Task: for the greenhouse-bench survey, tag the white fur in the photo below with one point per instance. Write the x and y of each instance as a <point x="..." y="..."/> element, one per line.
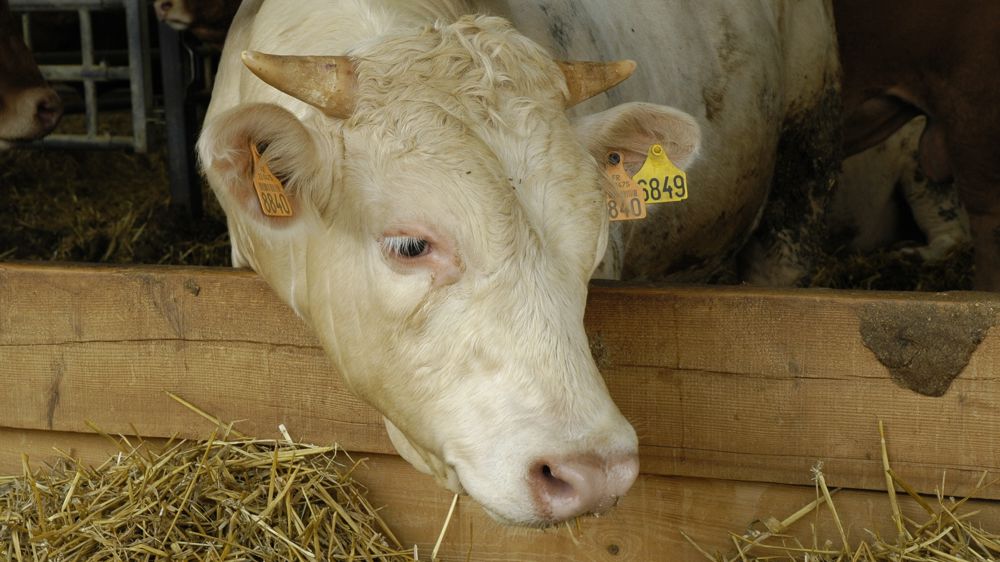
<point x="739" y="67"/>
<point x="459" y="131"/>
<point x="867" y="202"/>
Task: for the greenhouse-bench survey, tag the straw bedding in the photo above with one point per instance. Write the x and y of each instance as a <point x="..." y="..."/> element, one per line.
<point x="947" y="534"/>
<point x="227" y="498"/>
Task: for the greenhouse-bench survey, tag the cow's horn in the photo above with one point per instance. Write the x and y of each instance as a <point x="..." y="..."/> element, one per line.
<point x="586" y="79"/>
<point x="326" y="82"/>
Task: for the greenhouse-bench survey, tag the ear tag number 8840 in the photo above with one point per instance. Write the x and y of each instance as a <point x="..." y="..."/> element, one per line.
<point x="624" y="200"/>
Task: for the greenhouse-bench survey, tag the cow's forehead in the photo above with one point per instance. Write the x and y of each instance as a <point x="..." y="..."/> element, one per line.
<point x="470" y="118"/>
<point x="443" y="175"/>
<point x="470" y="69"/>
<point x="496" y="191"/>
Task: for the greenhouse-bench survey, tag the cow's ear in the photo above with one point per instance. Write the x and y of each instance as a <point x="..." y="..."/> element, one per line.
<point x="632" y="128"/>
<point x="267" y="142"/>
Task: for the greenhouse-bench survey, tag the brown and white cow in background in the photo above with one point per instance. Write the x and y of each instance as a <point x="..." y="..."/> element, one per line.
<point x="29" y="108"/>
<point x="878" y="191"/>
<point x="938" y="59"/>
<point x="447" y="214"/>
<point x="208" y="20"/>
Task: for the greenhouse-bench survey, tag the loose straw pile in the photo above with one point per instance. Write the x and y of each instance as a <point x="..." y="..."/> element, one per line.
<point x="228" y="498"/>
<point x="946" y="535"/>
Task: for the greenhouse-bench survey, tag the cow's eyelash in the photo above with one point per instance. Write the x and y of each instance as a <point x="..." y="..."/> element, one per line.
<point x="406" y="247"/>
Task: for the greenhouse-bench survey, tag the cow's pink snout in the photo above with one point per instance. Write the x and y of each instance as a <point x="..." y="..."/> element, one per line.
<point x="48" y="108"/>
<point x="566" y="487"/>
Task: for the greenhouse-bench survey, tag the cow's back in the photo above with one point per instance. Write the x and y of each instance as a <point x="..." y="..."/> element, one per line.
<point x="890" y="44"/>
<point x="745" y="70"/>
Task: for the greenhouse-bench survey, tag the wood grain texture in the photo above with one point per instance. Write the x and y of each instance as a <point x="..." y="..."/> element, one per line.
<point x="730" y="383"/>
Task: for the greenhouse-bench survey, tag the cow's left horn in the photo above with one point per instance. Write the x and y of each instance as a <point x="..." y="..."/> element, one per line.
<point x="586" y="79"/>
<point x="326" y="82"/>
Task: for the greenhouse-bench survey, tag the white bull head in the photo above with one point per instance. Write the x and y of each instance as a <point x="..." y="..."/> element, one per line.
<point x="447" y="218"/>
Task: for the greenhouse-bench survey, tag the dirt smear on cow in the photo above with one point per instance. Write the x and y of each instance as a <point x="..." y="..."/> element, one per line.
<point x="808" y="162"/>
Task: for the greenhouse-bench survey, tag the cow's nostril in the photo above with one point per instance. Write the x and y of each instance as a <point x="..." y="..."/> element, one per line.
<point x="49" y="111"/>
<point x="580" y="484"/>
<point x="163" y="7"/>
<point x="555" y="487"/>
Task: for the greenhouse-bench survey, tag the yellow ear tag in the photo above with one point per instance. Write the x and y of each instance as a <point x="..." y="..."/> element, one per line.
<point x="660" y="180"/>
<point x="624" y="201"/>
<point x="270" y="192"/>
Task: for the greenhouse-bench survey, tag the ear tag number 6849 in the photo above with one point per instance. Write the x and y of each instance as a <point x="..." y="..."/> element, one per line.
<point x="660" y="180"/>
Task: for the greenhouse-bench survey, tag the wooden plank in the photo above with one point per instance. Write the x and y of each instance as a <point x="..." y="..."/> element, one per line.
<point x="645" y="526"/>
<point x="722" y="382"/>
<point x="116" y="384"/>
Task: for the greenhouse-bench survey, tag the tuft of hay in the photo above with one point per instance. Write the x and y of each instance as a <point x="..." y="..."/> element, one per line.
<point x="102" y="206"/>
<point x="227" y="498"/>
<point x="946" y="535"/>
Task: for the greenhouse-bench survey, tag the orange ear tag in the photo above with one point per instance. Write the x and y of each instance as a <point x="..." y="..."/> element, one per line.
<point x="270" y="192"/>
<point x="625" y="201"/>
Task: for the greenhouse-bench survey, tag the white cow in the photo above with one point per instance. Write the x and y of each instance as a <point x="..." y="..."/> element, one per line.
<point x="447" y="215"/>
<point x="879" y="187"/>
<point x="762" y="79"/>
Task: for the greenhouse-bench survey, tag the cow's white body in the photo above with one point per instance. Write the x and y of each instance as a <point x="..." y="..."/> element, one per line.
<point x="879" y="187"/>
<point x="476" y="354"/>
<point x="745" y="70"/>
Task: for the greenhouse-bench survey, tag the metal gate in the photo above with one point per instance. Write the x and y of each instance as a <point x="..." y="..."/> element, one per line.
<point x="90" y="72"/>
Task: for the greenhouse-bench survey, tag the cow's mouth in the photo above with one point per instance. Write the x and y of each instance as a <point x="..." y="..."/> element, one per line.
<point x="177" y="23"/>
<point x="540" y="524"/>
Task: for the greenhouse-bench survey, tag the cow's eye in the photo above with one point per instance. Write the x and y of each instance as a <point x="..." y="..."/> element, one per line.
<point x="406" y="247"/>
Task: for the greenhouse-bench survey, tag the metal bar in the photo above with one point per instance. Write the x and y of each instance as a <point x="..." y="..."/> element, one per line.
<point x="73" y="57"/>
<point x="89" y="86"/>
<point x="185" y="189"/>
<point x="26" y="29"/>
<point x="137" y="73"/>
<point x="98" y="73"/>
<point x="103" y="142"/>
<point x="140" y="80"/>
<point x="63" y="5"/>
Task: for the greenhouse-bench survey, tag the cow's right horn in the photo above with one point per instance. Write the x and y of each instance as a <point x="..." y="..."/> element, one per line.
<point x="585" y="79"/>
<point x="325" y="82"/>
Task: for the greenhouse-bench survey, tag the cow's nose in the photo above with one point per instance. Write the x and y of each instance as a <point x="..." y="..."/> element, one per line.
<point x="577" y="485"/>
<point x="48" y="110"/>
<point x="163" y="7"/>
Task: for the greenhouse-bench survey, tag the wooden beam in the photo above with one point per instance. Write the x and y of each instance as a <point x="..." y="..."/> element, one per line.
<point x="647" y="524"/>
<point x="721" y="382"/>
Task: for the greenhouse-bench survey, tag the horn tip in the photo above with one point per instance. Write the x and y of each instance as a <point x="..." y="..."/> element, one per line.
<point x="250" y="58"/>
